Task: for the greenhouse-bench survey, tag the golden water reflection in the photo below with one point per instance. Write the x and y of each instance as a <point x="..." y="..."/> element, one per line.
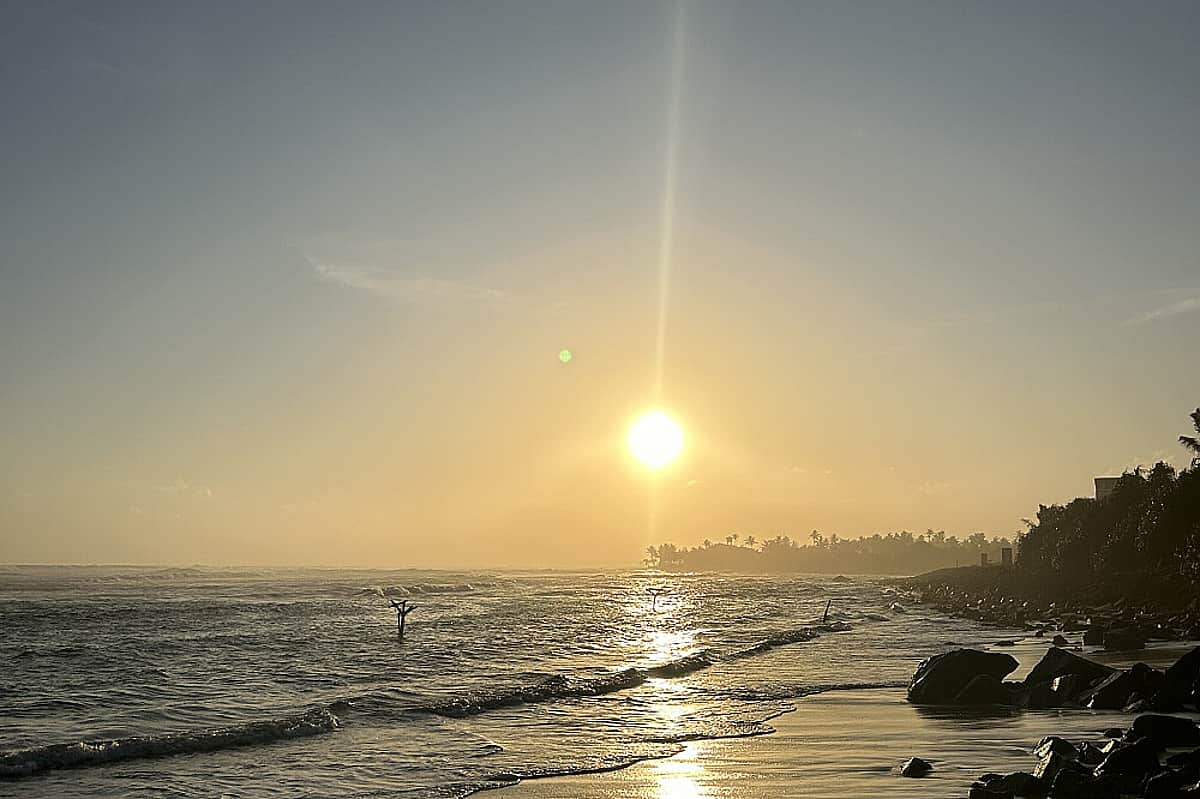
<point x="681" y="777"/>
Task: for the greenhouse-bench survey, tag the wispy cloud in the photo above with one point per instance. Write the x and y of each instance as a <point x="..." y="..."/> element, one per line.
<point x="1164" y="312"/>
<point x="398" y="287"/>
<point x="183" y="487"/>
<point x="932" y="488"/>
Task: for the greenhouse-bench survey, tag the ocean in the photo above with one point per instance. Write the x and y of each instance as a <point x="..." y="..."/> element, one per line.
<point x="256" y="683"/>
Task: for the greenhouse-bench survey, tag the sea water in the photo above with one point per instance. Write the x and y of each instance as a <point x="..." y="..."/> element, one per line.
<point x="187" y="682"/>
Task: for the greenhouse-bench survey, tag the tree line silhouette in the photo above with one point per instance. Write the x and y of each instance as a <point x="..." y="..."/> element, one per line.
<point x="1150" y="521"/>
<point x="893" y="553"/>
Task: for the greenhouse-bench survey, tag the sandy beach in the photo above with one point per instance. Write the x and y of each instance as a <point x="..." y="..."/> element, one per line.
<point x="840" y="745"/>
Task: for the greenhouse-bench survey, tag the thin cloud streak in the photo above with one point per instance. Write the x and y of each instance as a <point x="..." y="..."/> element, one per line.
<point x="392" y="286"/>
<point x="1164" y="312"/>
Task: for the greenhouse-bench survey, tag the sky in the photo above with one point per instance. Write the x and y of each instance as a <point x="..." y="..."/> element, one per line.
<point x="286" y="283"/>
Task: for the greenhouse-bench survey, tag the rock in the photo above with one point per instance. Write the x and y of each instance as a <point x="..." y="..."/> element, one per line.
<point x="1006" y="643"/>
<point x="1181" y="678"/>
<point x="1124" y="639"/>
<point x="1069" y="686"/>
<point x="1058" y="640"/>
<point x="1036" y="697"/>
<point x="940" y="679"/>
<point x="1167" y="731"/>
<point x="1052" y="743"/>
<point x="841" y="578"/>
<point x="1039" y="633"/>
<point x="1113" y="732"/>
<point x="1150" y="680"/>
<point x="1112" y="693"/>
<point x="1184" y="759"/>
<point x="1126" y="690"/>
<point x="983" y="690"/>
<point x="1018" y="783"/>
<point x="915" y="767"/>
<point x="1167" y="784"/>
<point x="979" y="791"/>
<point x="1090" y="754"/>
<point x="1094" y="635"/>
<point x="1071" y="784"/>
<point x="1130" y="765"/>
<point x="1051" y="764"/>
<point x="1058" y="662"/>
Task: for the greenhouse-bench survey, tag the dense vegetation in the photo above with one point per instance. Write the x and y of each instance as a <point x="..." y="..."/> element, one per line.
<point x="1150" y="523"/>
<point x="894" y="553"/>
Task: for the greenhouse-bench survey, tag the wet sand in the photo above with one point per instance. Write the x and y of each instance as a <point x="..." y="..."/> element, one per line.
<point x="844" y="745"/>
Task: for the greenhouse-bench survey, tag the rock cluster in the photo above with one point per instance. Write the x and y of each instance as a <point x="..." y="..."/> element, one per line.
<point x="1060" y="679"/>
<point x="1116" y="625"/>
<point x="1157" y="758"/>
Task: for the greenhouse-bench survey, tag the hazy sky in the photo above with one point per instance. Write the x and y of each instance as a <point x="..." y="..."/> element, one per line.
<point x="286" y="283"/>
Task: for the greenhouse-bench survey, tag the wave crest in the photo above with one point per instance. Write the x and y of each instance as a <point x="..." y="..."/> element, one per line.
<point x="80" y="754"/>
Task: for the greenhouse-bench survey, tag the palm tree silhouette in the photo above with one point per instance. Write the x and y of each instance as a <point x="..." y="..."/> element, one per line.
<point x="1192" y="443"/>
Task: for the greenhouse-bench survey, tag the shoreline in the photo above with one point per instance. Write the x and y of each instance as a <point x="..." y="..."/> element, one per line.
<point x="843" y="744"/>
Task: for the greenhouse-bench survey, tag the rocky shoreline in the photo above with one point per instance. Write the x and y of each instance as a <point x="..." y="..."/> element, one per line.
<point x="1156" y="757"/>
<point x="1102" y="612"/>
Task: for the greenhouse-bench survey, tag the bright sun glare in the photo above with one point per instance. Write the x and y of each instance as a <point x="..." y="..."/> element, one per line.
<point x="655" y="439"/>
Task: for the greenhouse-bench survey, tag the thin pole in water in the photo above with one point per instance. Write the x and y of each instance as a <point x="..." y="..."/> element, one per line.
<point x="656" y="592"/>
<point x="825" y="618"/>
<point x="402" y="610"/>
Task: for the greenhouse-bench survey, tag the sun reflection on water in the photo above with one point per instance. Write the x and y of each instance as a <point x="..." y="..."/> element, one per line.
<point x="681" y="777"/>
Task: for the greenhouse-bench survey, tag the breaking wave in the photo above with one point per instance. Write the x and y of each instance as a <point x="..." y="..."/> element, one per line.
<point x="80" y="754"/>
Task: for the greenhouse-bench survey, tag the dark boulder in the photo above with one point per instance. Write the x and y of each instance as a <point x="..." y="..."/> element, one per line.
<point x="1167" y="784"/>
<point x="1053" y="743"/>
<point x="915" y="767"/>
<point x="1058" y="662"/>
<point x="1090" y="754"/>
<point x="1189" y="759"/>
<point x="1167" y="731"/>
<point x="983" y="690"/>
<point x="1018" y="783"/>
<point x="981" y="791"/>
<point x="940" y="679"/>
<point x="1058" y="640"/>
<point x="1112" y="693"/>
<point x="1124" y="690"/>
<point x="1182" y="677"/>
<point x="1071" y="784"/>
<point x="1051" y="764"/>
<point x="1130" y="765"/>
<point x="1035" y="697"/>
<point x="1094" y="635"/>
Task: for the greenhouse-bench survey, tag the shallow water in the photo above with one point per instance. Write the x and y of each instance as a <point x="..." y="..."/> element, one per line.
<point x="292" y="683"/>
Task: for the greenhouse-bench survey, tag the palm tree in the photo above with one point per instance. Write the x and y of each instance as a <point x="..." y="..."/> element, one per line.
<point x="750" y="542"/>
<point x="1192" y="443"/>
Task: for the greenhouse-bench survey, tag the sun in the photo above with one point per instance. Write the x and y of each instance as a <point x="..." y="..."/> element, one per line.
<point x="655" y="439"/>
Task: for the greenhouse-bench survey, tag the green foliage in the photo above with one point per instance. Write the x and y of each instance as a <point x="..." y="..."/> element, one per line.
<point x="1151" y="520"/>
